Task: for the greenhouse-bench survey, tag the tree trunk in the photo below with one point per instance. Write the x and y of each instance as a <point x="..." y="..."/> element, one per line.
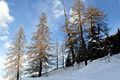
<point x="57" y="57"/>
<point x="73" y="55"/>
<point x="40" y="69"/>
<point x="83" y="45"/>
<point x="82" y="41"/>
<point x="63" y="61"/>
<point x="85" y="62"/>
<point x="18" y="75"/>
<point x="18" y="64"/>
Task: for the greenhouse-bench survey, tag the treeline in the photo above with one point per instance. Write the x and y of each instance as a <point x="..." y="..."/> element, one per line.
<point x="114" y="42"/>
<point x="87" y="35"/>
<point x="86" y="39"/>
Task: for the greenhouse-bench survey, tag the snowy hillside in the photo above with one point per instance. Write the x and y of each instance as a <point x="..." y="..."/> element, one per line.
<point x="99" y="69"/>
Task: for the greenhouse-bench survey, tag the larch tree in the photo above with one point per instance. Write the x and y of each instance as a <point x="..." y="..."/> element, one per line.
<point x="37" y="54"/>
<point x="69" y="42"/>
<point x="76" y="31"/>
<point x="14" y="60"/>
<point x="78" y="14"/>
<point x="96" y="21"/>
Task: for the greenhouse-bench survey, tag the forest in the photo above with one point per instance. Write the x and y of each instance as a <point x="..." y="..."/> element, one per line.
<point x="86" y="39"/>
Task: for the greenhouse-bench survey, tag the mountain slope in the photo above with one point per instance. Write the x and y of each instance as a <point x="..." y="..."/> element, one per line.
<point x="100" y="69"/>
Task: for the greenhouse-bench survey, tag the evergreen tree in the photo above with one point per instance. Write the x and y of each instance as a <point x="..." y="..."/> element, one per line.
<point x="15" y="58"/>
<point x="113" y="43"/>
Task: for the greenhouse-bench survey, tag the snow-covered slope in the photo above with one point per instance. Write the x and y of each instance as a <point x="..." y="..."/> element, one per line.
<point x="99" y="69"/>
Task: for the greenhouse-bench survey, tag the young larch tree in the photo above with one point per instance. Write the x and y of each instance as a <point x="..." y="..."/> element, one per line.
<point x="15" y="57"/>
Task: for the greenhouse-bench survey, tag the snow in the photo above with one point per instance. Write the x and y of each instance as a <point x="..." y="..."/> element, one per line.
<point x="100" y="69"/>
<point x="94" y="41"/>
<point x="4" y="78"/>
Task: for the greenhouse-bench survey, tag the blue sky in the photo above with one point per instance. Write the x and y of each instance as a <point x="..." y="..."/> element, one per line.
<point x="26" y="13"/>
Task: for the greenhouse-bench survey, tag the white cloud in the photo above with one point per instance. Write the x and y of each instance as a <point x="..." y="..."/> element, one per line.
<point x="57" y="8"/>
<point x="4" y="38"/>
<point x="7" y="45"/>
<point x="5" y="17"/>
